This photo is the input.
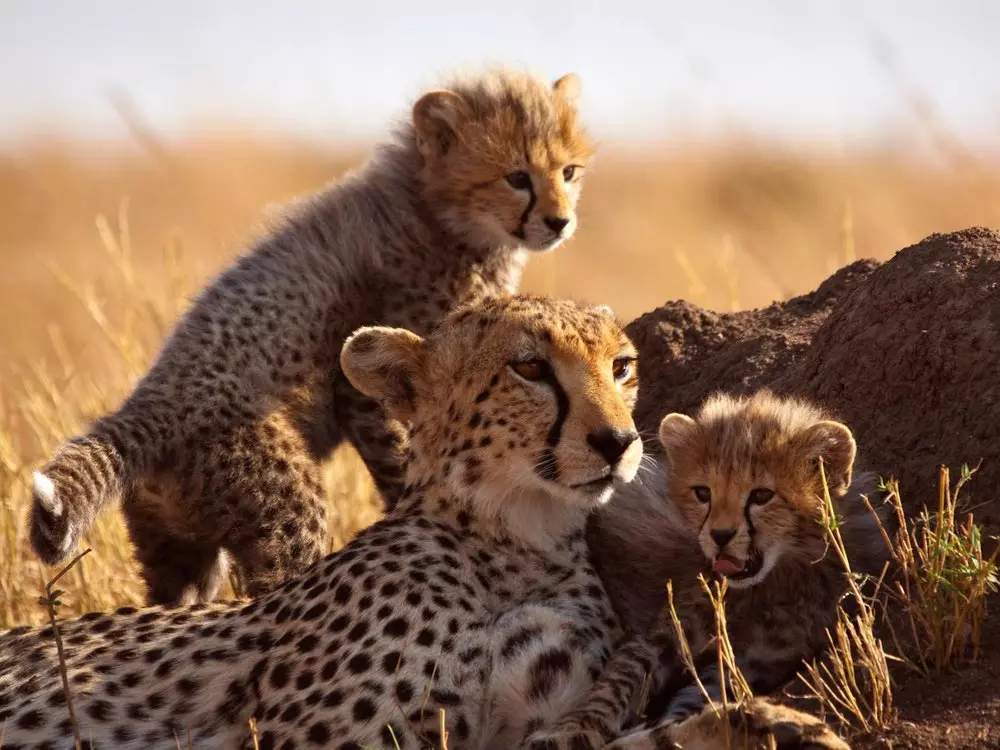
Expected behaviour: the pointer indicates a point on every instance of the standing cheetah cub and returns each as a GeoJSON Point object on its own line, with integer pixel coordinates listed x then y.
{"type": "Point", "coordinates": [738, 495]}
{"type": "Point", "coordinates": [218, 447]}
{"type": "Point", "coordinates": [474, 594]}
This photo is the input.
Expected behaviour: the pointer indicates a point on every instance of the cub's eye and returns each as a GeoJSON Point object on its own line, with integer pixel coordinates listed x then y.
{"type": "Point", "coordinates": [519, 180]}
{"type": "Point", "coordinates": [704, 494]}
{"type": "Point", "coordinates": [569, 172]}
{"type": "Point", "coordinates": [531, 369]}
{"type": "Point", "coordinates": [760, 496]}
{"type": "Point", "coordinates": [622, 367]}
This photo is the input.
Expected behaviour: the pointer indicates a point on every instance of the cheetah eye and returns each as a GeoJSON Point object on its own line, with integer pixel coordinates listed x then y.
{"type": "Point", "coordinates": [760, 496]}
{"type": "Point", "coordinates": [622, 367]}
{"type": "Point", "coordinates": [704, 494]}
{"type": "Point", "coordinates": [531, 369]}
{"type": "Point", "coordinates": [519, 180]}
{"type": "Point", "coordinates": [569, 172]}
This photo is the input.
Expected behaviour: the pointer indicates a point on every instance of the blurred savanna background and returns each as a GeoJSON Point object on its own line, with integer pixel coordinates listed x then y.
{"type": "Point", "coordinates": [746, 152]}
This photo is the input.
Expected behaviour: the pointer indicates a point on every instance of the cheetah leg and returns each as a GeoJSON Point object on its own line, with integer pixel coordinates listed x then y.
{"type": "Point", "coordinates": [276, 507]}
{"type": "Point", "coordinates": [760, 726]}
{"type": "Point", "coordinates": [763, 678]}
{"type": "Point", "coordinates": [180, 564]}
{"type": "Point", "coordinates": [609, 704]}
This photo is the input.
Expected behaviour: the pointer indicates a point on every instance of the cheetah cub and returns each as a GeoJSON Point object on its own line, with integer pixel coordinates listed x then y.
{"type": "Point", "coordinates": [218, 447]}
{"type": "Point", "coordinates": [474, 594]}
{"type": "Point", "coordinates": [738, 495]}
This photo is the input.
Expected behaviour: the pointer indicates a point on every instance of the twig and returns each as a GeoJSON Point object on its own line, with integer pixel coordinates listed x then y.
{"type": "Point", "coordinates": [51, 601]}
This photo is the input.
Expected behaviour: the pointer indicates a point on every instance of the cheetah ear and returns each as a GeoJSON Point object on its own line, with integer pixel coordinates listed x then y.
{"type": "Point", "coordinates": [834, 443]}
{"type": "Point", "coordinates": [437, 116]}
{"type": "Point", "coordinates": [383, 363]}
{"type": "Point", "coordinates": [568, 87]}
{"type": "Point", "coordinates": [675, 432]}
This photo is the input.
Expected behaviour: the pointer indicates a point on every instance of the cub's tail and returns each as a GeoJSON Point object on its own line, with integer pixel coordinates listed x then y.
{"type": "Point", "coordinates": [86, 474]}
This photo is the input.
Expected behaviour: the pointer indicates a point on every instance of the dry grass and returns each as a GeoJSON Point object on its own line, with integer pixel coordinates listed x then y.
{"type": "Point", "coordinates": [852, 681]}
{"type": "Point", "coordinates": [735, 691]}
{"type": "Point", "coordinates": [87, 301]}
{"type": "Point", "coordinates": [945, 581]}
{"type": "Point", "coordinates": [941, 581]}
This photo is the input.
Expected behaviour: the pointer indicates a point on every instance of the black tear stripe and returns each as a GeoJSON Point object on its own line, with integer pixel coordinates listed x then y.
{"type": "Point", "coordinates": [532, 199]}
{"type": "Point", "coordinates": [549, 469]}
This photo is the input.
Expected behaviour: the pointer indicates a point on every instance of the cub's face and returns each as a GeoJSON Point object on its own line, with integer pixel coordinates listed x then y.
{"type": "Point", "coordinates": [525, 399]}
{"type": "Point", "coordinates": [504, 160]}
{"type": "Point", "coordinates": [745, 479]}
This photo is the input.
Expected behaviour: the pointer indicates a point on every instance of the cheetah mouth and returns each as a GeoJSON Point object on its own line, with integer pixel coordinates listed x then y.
{"type": "Point", "coordinates": [596, 488]}
{"type": "Point", "coordinates": [601, 483]}
{"type": "Point", "coordinates": [737, 570]}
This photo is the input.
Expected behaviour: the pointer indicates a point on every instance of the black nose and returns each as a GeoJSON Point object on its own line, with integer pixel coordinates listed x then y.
{"type": "Point", "coordinates": [612, 442]}
{"type": "Point", "coordinates": [556, 223]}
{"type": "Point", "coordinates": [722, 537]}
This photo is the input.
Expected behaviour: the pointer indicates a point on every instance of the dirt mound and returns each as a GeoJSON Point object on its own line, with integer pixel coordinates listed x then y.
{"type": "Point", "coordinates": [906, 352]}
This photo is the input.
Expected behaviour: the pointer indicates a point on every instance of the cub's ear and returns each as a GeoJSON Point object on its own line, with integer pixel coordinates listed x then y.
{"type": "Point", "coordinates": [437, 116]}
{"type": "Point", "coordinates": [568, 87]}
{"type": "Point", "coordinates": [675, 432]}
{"type": "Point", "coordinates": [834, 443]}
{"type": "Point", "coordinates": [383, 363]}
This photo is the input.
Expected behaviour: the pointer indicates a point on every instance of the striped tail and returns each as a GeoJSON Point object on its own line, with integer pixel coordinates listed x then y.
{"type": "Point", "coordinates": [85, 475]}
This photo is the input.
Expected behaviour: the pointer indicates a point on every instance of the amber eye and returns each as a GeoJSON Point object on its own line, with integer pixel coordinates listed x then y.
{"type": "Point", "coordinates": [519, 180]}
{"type": "Point", "coordinates": [621, 368]}
{"type": "Point", "coordinates": [760, 496]}
{"type": "Point", "coordinates": [531, 369]}
{"type": "Point", "coordinates": [569, 172]}
{"type": "Point", "coordinates": [704, 494]}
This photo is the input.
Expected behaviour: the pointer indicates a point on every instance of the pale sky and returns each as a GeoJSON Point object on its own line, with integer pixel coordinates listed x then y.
{"type": "Point", "coordinates": [786, 68]}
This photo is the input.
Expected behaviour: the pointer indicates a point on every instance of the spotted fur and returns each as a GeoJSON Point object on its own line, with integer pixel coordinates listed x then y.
{"type": "Point", "coordinates": [474, 594]}
{"type": "Point", "coordinates": [218, 448]}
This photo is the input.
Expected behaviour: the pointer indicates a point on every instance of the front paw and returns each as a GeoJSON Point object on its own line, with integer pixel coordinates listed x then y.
{"type": "Point", "coordinates": [569, 739]}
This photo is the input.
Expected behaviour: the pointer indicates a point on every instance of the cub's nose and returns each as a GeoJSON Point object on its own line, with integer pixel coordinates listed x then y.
{"type": "Point", "coordinates": [556, 223]}
{"type": "Point", "coordinates": [722, 537]}
{"type": "Point", "coordinates": [612, 442]}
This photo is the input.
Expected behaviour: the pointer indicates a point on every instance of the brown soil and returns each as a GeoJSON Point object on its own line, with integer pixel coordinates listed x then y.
{"type": "Point", "coordinates": [907, 353]}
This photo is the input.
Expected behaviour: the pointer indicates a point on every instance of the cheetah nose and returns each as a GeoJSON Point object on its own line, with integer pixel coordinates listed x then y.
{"type": "Point", "coordinates": [722, 537]}
{"type": "Point", "coordinates": [556, 223]}
{"type": "Point", "coordinates": [612, 442]}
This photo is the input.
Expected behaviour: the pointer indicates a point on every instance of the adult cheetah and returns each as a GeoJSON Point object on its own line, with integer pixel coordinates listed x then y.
{"type": "Point", "coordinates": [218, 447]}
{"type": "Point", "coordinates": [474, 595]}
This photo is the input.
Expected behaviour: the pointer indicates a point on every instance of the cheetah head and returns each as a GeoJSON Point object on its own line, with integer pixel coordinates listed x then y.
{"type": "Point", "coordinates": [745, 478]}
{"type": "Point", "coordinates": [521, 403]}
{"type": "Point", "coordinates": [503, 159]}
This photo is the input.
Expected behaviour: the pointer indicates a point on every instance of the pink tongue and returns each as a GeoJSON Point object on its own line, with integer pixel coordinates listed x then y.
{"type": "Point", "coordinates": [727, 565]}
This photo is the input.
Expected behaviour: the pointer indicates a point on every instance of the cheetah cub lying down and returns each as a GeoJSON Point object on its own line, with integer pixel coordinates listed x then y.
{"type": "Point", "coordinates": [738, 495]}
{"type": "Point", "coordinates": [218, 448]}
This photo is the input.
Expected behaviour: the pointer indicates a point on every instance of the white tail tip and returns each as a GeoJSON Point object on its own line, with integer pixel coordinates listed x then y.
{"type": "Point", "coordinates": [45, 493]}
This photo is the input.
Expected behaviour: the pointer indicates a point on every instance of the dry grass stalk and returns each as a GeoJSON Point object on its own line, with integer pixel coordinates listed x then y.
{"type": "Point", "coordinates": [253, 733]}
{"type": "Point", "coordinates": [852, 680]}
{"type": "Point", "coordinates": [50, 601]}
{"type": "Point", "coordinates": [686, 657]}
{"type": "Point", "coordinates": [730, 675]}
